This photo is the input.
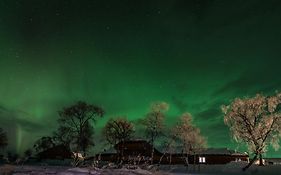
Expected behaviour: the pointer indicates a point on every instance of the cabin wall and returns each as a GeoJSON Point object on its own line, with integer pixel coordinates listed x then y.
{"type": "Point", "coordinates": [217, 159]}
{"type": "Point", "coordinates": [176, 158]}
{"type": "Point", "coordinates": [140, 152]}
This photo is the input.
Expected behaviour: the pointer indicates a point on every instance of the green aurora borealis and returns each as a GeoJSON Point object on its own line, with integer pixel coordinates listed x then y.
{"type": "Point", "coordinates": [122, 55]}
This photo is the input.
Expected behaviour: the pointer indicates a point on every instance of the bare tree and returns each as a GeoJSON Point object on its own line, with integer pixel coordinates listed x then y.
{"type": "Point", "coordinates": [118, 130]}
{"type": "Point", "coordinates": [3, 139]}
{"type": "Point", "coordinates": [76, 120]}
{"type": "Point", "coordinates": [189, 136]}
{"type": "Point", "coordinates": [153, 123]}
{"type": "Point", "coordinates": [255, 121]}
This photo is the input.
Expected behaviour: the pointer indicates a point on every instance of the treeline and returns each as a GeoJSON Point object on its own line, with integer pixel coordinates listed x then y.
{"type": "Point", "coordinates": [253, 121]}
{"type": "Point", "coordinates": [76, 126]}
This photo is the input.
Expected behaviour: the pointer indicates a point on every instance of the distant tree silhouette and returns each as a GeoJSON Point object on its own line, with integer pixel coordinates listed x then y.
{"type": "Point", "coordinates": [26, 156]}
{"type": "Point", "coordinates": [3, 139]}
{"type": "Point", "coordinates": [44, 143]}
{"type": "Point", "coordinates": [118, 130]}
{"type": "Point", "coordinates": [12, 157]}
{"type": "Point", "coordinates": [153, 123]}
{"type": "Point", "coordinates": [27, 153]}
{"type": "Point", "coordinates": [255, 121]}
{"type": "Point", "coordinates": [77, 120]}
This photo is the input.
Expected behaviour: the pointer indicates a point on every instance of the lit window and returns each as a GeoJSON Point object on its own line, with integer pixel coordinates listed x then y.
{"type": "Point", "coordinates": [202, 160]}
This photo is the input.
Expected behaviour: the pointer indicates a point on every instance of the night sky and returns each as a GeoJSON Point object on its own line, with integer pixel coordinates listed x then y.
{"type": "Point", "coordinates": [125, 54]}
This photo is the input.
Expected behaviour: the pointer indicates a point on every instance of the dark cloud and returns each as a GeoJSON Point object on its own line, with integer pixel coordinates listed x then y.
{"type": "Point", "coordinates": [209, 115]}
{"type": "Point", "coordinates": [265, 80]}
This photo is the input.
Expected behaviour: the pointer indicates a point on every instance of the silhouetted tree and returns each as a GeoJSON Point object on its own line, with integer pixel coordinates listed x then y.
{"type": "Point", "coordinates": [26, 156]}
{"type": "Point", "coordinates": [153, 123]}
{"type": "Point", "coordinates": [3, 139]}
{"type": "Point", "coordinates": [12, 157]}
{"type": "Point", "coordinates": [76, 120]}
{"type": "Point", "coordinates": [118, 130]}
{"type": "Point", "coordinates": [44, 143]}
{"type": "Point", "coordinates": [27, 153]}
{"type": "Point", "coordinates": [255, 121]}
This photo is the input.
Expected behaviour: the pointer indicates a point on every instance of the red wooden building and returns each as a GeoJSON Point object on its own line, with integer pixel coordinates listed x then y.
{"type": "Point", "coordinates": [140, 151]}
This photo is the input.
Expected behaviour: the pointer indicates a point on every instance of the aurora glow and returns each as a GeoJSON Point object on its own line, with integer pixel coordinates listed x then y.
{"type": "Point", "coordinates": [123, 55]}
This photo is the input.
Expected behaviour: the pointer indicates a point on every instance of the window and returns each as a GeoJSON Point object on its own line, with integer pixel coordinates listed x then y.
{"type": "Point", "coordinates": [202, 160]}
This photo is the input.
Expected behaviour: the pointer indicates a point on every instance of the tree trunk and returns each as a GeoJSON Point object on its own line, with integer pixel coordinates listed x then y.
{"type": "Point", "coordinates": [194, 161]}
{"type": "Point", "coordinates": [199, 163]}
{"type": "Point", "coordinates": [152, 154]}
{"type": "Point", "coordinates": [186, 161]}
{"type": "Point", "coordinates": [250, 163]}
{"type": "Point", "coordinates": [170, 160]}
{"type": "Point", "coordinates": [261, 161]}
{"type": "Point", "coordinates": [152, 151]}
{"type": "Point", "coordinates": [161, 158]}
{"type": "Point", "coordinates": [122, 152]}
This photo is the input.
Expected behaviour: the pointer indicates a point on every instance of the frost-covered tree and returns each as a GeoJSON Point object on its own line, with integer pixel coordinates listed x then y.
{"type": "Point", "coordinates": [189, 136]}
{"type": "Point", "coordinates": [153, 123]}
{"type": "Point", "coordinates": [169, 145]}
{"type": "Point", "coordinates": [255, 121]}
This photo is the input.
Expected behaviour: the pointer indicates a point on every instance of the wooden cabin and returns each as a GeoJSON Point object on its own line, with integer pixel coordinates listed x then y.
{"type": "Point", "coordinates": [219, 156]}
{"type": "Point", "coordinates": [140, 151]}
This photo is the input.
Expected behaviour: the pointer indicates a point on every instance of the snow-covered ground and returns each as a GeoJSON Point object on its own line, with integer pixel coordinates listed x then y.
{"type": "Point", "coordinates": [56, 170]}
{"type": "Point", "coordinates": [229, 169]}
{"type": "Point", "coordinates": [233, 168]}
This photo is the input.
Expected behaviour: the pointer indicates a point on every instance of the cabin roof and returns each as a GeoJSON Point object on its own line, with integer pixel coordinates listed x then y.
{"type": "Point", "coordinates": [221, 151]}
{"type": "Point", "coordinates": [273, 159]}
